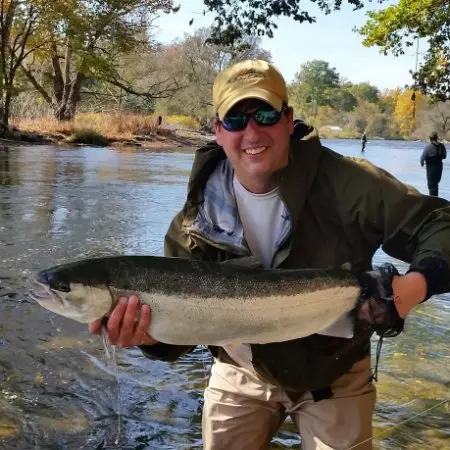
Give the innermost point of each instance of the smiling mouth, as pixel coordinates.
(254, 151)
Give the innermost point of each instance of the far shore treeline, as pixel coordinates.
(71, 67)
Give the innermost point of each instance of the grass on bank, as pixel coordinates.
(103, 128)
(98, 128)
(88, 137)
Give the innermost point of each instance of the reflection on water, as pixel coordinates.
(57, 390)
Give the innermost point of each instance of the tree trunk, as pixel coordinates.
(3, 119)
(7, 108)
(4, 129)
(5, 104)
(65, 107)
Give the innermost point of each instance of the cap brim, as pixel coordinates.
(259, 94)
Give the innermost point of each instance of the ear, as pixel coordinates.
(218, 130)
(289, 117)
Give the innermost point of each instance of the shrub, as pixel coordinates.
(185, 122)
(89, 137)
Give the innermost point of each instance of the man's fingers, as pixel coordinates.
(123, 327)
(115, 320)
(128, 323)
(96, 327)
(142, 326)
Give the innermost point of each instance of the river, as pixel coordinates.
(58, 391)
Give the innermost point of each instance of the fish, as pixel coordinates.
(196, 302)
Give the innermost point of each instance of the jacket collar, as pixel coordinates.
(294, 180)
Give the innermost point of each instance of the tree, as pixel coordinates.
(363, 118)
(388, 100)
(407, 109)
(326, 116)
(342, 98)
(365, 91)
(85, 39)
(18, 22)
(196, 61)
(236, 18)
(436, 117)
(314, 85)
(396, 28)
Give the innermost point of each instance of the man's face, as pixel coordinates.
(256, 152)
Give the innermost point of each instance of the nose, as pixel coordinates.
(252, 130)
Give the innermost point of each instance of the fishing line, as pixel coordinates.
(205, 372)
(414, 416)
(119, 412)
(111, 357)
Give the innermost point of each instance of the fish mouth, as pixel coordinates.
(43, 293)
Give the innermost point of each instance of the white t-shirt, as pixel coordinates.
(261, 217)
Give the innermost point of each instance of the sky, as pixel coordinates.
(330, 39)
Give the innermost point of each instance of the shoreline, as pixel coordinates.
(164, 138)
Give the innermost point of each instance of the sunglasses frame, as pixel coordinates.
(252, 115)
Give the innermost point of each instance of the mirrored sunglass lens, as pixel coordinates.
(235, 122)
(267, 117)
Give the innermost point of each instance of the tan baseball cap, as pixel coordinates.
(248, 79)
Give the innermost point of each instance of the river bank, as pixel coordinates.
(129, 129)
(110, 129)
(159, 139)
(163, 138)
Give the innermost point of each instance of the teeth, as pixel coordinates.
(254, 151)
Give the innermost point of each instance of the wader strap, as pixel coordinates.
(322, 394)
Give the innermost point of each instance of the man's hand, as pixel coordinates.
(127, 324)
(376, 308)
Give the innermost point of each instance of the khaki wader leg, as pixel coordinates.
(240, 412)
(343, 421)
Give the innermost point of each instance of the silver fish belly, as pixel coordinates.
(196, 302)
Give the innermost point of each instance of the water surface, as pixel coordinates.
(57, 389)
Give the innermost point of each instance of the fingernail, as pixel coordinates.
(123, 300)
(134, 300)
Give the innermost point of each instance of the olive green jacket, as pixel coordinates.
(341, 210)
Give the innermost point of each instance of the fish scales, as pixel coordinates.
(198, 302)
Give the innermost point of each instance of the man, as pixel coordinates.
(268, 188)
(432, 156)
(363, 142)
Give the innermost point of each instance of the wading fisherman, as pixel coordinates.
(432, 156)
(363, 142)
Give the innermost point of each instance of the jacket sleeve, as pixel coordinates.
(409, 226)
(444, 151)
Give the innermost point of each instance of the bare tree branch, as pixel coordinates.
(165, 92)
(30, 77)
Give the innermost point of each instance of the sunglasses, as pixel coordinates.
(264, 117)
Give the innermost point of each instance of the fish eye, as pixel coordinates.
(62, 286)
(58, 284)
